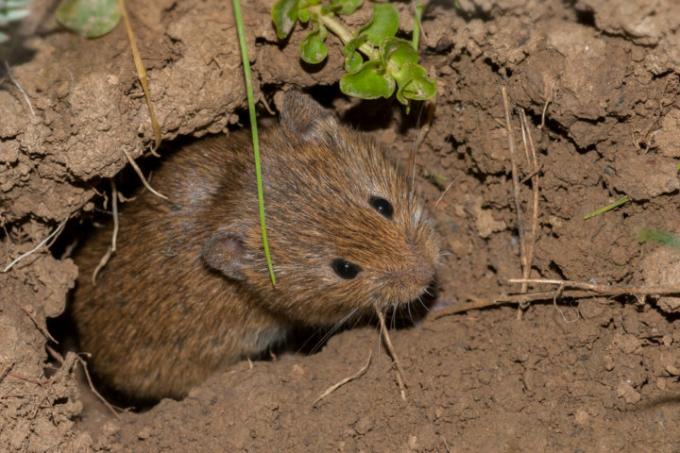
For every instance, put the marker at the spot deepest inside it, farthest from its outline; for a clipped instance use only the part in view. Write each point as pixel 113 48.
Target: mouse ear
pixel 306 118
pixel 226 252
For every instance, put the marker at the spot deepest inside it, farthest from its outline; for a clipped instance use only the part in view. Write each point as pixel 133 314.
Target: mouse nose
pixel 412 278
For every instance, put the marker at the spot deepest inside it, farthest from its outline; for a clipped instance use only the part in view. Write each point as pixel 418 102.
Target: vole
pixel 188 292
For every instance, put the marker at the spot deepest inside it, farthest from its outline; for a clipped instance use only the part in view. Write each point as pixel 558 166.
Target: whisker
pixel 420 299
pixel 334 329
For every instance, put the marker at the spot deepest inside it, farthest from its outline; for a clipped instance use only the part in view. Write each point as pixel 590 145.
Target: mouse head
pixel 345 230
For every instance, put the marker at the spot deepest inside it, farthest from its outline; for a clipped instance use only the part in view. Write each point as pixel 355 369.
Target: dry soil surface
pixel 598 82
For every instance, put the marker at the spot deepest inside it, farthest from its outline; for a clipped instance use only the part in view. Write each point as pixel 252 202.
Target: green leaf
pixel 353 59
pixel 345 6
pixel 369 82
pixel 89 18
pixel 384 23
pixel 396 53
pixel 402 65
pixel 312 49
pixel 284 15
pixel 353 62
pixel 303 12
pixel 415 85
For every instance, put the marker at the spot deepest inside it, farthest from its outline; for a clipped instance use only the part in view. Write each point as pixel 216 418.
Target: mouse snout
pixel 419 273
pixel 411 280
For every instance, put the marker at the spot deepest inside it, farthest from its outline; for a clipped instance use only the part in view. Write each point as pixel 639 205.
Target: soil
pixel 599 83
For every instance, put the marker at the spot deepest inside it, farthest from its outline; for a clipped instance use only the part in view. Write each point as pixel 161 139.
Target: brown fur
pixel 188 291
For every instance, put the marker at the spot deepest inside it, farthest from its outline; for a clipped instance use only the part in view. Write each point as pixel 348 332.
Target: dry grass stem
pixel 52 235
pixel 336 386
pixel 532 160
pixel 441 197
pixel 583 290
pixel 114 237
pixel 16 83
pixel 141 176
pixel 143 79
pixel 550 88
pixel 609 290
pixel 83 363
pixel 37 325
pixel 390 350
pixel 515 177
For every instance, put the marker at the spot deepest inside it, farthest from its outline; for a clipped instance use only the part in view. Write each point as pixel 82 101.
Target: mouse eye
pixel 383 206
pixel 345 269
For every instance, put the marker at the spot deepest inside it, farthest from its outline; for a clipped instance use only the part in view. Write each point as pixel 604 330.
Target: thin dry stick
pixel 609 290
pixel 16 83
pixel 356 375
pixel 515 176
pixel 530 151
pixel 441 197
pixel 83 363
pixel 141 176
pixel 390 349
pixel 143 79
pixel 515 192
pixel 114 237
pixel 588 291
pixel 40 328
pixel 551 87
pixel 42 243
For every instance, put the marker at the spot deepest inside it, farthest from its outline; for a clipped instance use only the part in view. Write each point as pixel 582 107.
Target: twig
pixel 114 237
pixel 19 87
pixel 141 74
pixel 390 349
pixel 336 386
pixel 40 328
pixel 56 355
pixel 441 197
pixel 515 177
pixel 585 290
pixel 515 192
pixel 83 363
pixel 548 86
pixel 609 290
pixel 141 176
pixel 530 151
pixel 52 235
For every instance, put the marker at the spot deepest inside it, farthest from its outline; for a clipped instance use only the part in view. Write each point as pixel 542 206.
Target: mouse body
pixel 188 291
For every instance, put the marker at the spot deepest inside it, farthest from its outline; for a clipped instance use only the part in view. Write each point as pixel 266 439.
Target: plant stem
pixel 621 201
pixel 415 38
pixel 339 29
pixel 236 4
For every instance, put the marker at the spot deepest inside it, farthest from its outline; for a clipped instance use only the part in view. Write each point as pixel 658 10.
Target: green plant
pixel 377 62
pixel 659 237
pixel 12 11
pixel 238 18
pixel 89 18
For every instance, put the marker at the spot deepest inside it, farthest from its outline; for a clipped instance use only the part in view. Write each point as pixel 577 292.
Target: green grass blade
pixel 417 24
pixel 659 237
pixel 621 201
pixel 238 17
